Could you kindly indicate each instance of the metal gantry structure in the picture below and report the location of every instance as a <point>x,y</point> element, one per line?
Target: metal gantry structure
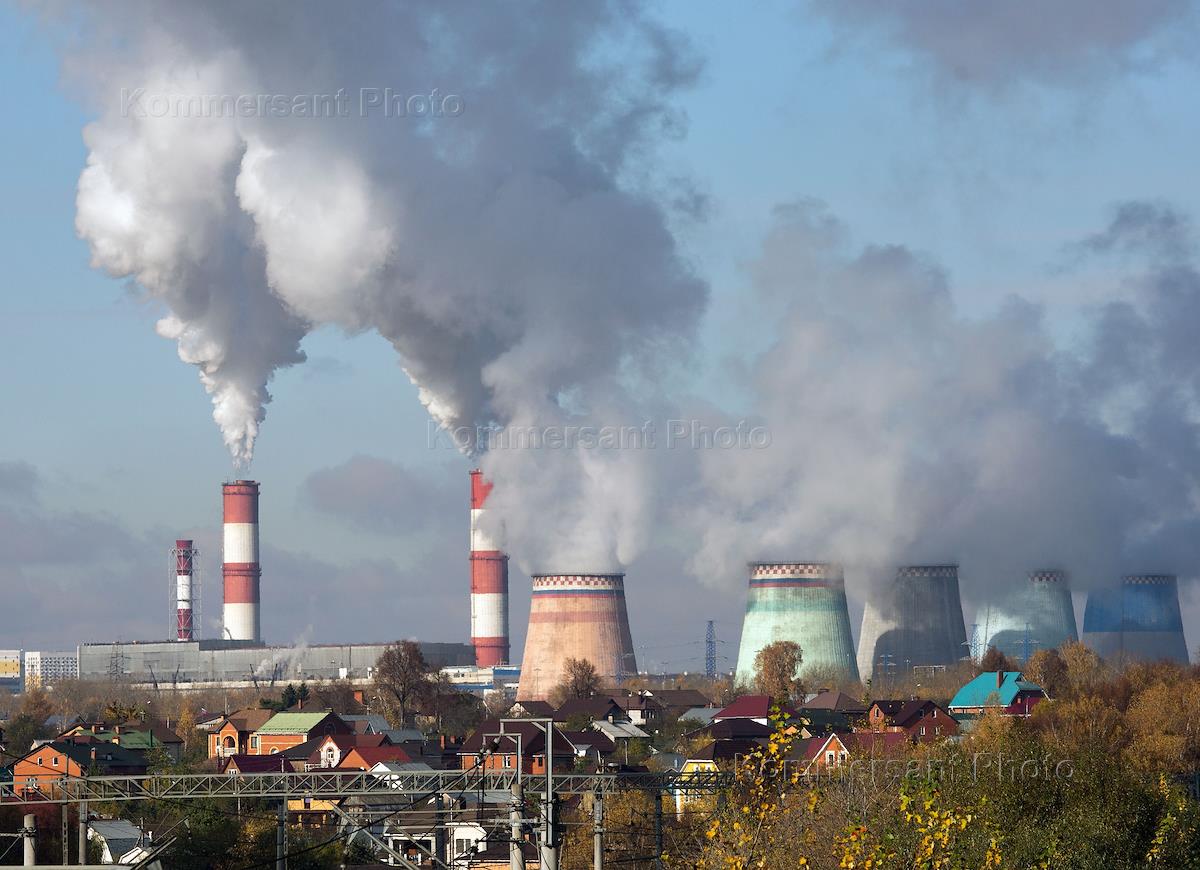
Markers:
<point>409,787</point>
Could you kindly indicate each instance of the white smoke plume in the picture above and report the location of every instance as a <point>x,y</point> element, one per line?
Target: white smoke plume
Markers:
<point>473,198</point>
<point>904,431</point>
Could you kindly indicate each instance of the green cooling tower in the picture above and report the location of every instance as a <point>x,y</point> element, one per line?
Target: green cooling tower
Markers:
<point>804,602</point>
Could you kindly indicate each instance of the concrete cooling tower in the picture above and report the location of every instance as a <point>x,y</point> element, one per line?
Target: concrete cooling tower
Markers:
<point>580,616</point>
<point>916,621</point>
<point>1036,615</point>
<point>804,602</point>
<point>1140,619</point>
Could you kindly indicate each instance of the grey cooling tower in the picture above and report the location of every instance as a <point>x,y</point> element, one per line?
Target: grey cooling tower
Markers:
<point>915,621</point>
<point>1036,615</point>
<point>1138,620</point>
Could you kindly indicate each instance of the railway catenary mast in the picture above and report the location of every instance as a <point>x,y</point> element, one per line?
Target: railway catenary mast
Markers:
<point>241,571</point>
<point>489,584</point>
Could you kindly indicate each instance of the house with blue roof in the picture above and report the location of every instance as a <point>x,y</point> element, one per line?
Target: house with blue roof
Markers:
<point>1006,692</point>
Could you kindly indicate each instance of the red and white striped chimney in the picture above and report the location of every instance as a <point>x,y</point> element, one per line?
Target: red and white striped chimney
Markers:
<point>489,584</point>
<point>241,570</point>
<point>185,562</point>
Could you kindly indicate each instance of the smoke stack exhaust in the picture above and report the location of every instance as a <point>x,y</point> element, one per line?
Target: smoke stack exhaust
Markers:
<point>489,584</point>
<point>183,557</point>
<point>241,571</point>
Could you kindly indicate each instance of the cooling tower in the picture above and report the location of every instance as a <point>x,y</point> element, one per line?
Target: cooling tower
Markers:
<point>916,621</point>
<point>489,584</point>
<point>579,616</point>
<point>183,560</point>
<point>804,602</point>
<point>241,571</point>
<point>1138,620</point>
<point>1036,615</point>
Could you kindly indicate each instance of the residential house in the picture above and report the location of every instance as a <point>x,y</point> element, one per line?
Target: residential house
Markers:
<point>42,767</point>
<point>818,755</point>
<point>922,720</point>
<point>701,715</point>
<point>671,703</point>
<point>594,709</point>
<point>1006,692</point>
<point>756,707</point>
<point>526,739</point>
<point>236,765</point>
<point>837,701</point>
<point>876,744</point>
<point>120,841</point>
<point>231,735</point>
<point>591,747</point>
<point>367,757</point>
<point>137,736</point>
<point>287,730</point>
<point>532,710</point>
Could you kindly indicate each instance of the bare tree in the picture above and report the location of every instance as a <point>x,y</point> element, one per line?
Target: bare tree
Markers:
<point>401,682</point>
<point>580,680</point>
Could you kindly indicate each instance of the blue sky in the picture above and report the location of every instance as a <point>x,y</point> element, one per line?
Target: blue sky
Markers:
<point>993,183</point>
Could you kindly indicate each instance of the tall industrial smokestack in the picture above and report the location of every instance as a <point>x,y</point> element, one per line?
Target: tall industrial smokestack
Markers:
<point>489,584</point>
<point>579,616</point>
<point>804,602</point>
<point>183,558</point>
<point>915,622</point>
<point>241,569</point>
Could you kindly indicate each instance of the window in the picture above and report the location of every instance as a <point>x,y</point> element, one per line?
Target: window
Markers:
<point>934,713</point>
<point>830,757</point>
<point>508,762</point>
<point>274,750</point>
<point>937,729</point>
<point>39,761</point>
<point>54,761</point>
<point>254,741</point>
<point>922,730</point>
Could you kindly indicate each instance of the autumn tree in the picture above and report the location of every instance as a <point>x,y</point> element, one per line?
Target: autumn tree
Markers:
<point>993,660</point>
<point>401,683</point>
<point>776,670</point>
<point>1047,668</point>
<point>580,680</point>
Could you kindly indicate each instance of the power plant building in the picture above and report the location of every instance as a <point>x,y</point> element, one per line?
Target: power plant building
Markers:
<point>489,584</point>
<point>802,602</point>
<point>1038,614</point>
<point>580,616</point>
<point>1140,619</point>
<point>915,622</point>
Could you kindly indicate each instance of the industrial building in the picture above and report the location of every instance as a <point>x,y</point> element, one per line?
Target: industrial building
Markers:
<point>581,616</point>
<point>48,668</point>
<point>915,622</point>
<point>10,669</point>
<point>804,602</point>
<point>1037,614</point>
<point>489,584</point>
<point>1139,619</point>
<point>192,664</point>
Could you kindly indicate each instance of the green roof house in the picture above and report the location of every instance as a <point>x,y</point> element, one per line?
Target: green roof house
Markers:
<point>1005,691</point>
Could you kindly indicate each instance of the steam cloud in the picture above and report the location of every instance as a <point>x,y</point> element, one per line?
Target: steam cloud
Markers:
<point>904,431</point>
<point>502,251</point>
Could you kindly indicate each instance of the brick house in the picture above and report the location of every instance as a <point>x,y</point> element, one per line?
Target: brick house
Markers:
<point>41,767</point>
<point>526,736</point>
<point>231,736</point>
<point>921,719</point>
<point>287,730</point>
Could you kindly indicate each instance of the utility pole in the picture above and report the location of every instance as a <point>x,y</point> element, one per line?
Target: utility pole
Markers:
<point>597,830</point>
<point>658,830</point>
<point>549,822</point>
<point>516,854</point>
<point>66,836</point>
<point>439,830</point>
<point>281,837</point>
<point>29,835</point>
<point>83,826</point>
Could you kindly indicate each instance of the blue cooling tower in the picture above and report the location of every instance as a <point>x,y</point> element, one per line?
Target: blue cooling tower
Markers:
<point>1138,620</point>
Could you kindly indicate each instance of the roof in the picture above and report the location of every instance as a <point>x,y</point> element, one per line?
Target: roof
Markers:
<point>831,700</point>
<point>725,750</point>
<point>404,735</point>
<point>596,707</point>
<point>992,689</point>
<point>538,709</point>
<point>618,730</point>
<point>365,723</point>
<point>752,707</point>
<point>700,714</point>
<point>108,755</point>
<point>685,698</point>
<point>729,729</point>
<point>247,719</point>
<point>590,739</point>
<point>811,747</point>
<point>294,723</point>
<point>118,834</point>
<point>820,721</point>
<point>259,763</point>
<point>533,739</point>
<point>888,706</point>
<point>875,743</point>
<point>372,755</point>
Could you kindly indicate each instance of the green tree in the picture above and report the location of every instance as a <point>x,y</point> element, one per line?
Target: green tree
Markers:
<point>776,670</point>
